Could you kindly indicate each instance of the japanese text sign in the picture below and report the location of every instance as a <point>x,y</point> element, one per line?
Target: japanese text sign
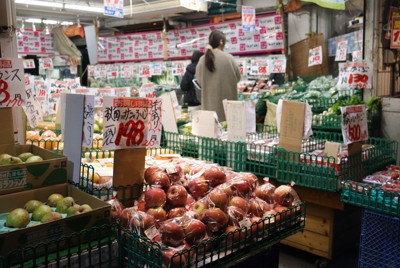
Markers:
<point>259,67</point>
<point>45,63</point>
<point>88,121</point>
<point>131,122</point>
<point>341,51</point>
<point>315,56</point>
<point>248,18</point>
<point>395,33</point>
<point>12,84</point>
<point>354,123</point>
<point>114,8</point>
<point>32,107</point>
<point>355,75</point>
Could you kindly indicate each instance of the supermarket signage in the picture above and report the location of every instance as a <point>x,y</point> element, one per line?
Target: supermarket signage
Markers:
<point>242,66</point>
<point>114,8</point>
<point>88,121</point>
<point>259,67</point>
<point>45,63</point>
<point>354,123</point>
<point>131,123</point>
<point>341,51</point>
<point>178,68</point>
<point>395,33</point>
<point>277,64</point>
<point>34,42</point>
<point>29,64</point>
<point>355,75</point>
<point>236,118</point>
<point>32,107</point>
<point>394,12</point>
<point>315,56</point>
<point>357,55</point>
<point>12,84</point>
<point>248,18</point>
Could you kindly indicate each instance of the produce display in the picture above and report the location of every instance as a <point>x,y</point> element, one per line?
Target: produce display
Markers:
<point>188,202</point>
<point>35,212</point>
<point>387,179</point>
<point>6,159</point>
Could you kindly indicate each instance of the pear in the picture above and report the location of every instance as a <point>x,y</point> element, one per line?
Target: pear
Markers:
<point>18,218</point>
<point>25,156</point>
<point>34,158</point>
<point>64,204</point>
<point>53,199</point>
<point>6,159</point>
<point>85,208</point>
<point>31,205</point>
<point>52,216</point>
<point>74,210</point>
<point>39,212</point>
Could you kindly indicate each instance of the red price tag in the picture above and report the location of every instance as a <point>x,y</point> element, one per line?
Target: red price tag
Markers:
<point>4,94</point>
<point>132,131</point>
<point>146,72</point>
<point>262,69</point>
<point>355,132</point>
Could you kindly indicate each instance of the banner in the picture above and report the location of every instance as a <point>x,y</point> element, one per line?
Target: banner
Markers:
<point>34,42</point>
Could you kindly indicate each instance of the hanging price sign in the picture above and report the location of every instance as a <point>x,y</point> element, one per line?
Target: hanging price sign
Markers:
<point>126,71</point>
<point>128,122</point>
<point>354,123</point>
<point>259,67</point>
<point>29,64</point>
<point>395,33</point>
<point>32,107</point>
<point>45,63</point>
<point>144,70</point>
<point>355,75</point>
<point>12,84</point>
<point>277,66</point>
<point>178,68</point>
<point>341,51</point>
<point>248,18</point>
<point>315,56</point>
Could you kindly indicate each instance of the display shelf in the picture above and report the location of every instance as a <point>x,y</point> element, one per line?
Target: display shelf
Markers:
<point>220,250</point>
<point>371,197</point>
<point>94,247</point>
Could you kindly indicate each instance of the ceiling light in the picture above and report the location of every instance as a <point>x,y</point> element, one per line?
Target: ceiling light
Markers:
<point>39,3</point>
<point>85,8</point>
<point>32,20</point>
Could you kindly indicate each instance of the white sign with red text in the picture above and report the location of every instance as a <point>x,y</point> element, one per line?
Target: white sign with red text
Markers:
<point>12,84</point>
<point>248,18</point>
<point>355,75</point>
<point>315,56</point>
<point>341,51</point>
<point>354,123</point>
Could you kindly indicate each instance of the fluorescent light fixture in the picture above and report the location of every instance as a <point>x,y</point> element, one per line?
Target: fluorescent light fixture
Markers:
<point>32,20</point>
<point>39,3</point>
<point>85,8</point>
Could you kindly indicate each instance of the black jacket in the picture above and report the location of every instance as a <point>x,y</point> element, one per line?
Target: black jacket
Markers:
<point>187,85</point>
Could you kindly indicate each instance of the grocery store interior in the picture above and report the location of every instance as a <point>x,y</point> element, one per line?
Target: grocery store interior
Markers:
<point>200,133</point>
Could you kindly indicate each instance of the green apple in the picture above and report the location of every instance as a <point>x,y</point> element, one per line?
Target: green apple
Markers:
<point>34,158</point>
<point>74,210</point>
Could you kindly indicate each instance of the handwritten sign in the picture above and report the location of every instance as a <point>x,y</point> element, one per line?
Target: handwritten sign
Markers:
<point>242,66</point>
<point>341,51</point>
<point>178,68</point>
<point>147,90</point>
<point>45,63</point>
<point>248,18</point>
<point>128,122</point>
<point>277,65</point>
<point>315,56</point>
<point>259,67</point>
<point>29,64</point>
<point>88,121</point>
<point>12,84</point>
<point>32,107</point>
<point>395,33</point>
<point>236,118</point>
<point>144,70</point>
<point>355,75</point>
<point>354,123</point>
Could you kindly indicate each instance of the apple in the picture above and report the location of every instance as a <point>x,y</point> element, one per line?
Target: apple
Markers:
<point>240,187</point>
<point>235,215</point>
<point>257,225</point>
<point>172,259</point>
<point>195,231</point>
<point>239,202</point>
<point>6,159</point>
<point>198,187</point>
<point>158,213</point>
<point>231,176</point>
<point>285,196</point>
<point>215,176</point>
<point>177,195</point>
<point>215,219</point>
<point>125,216</point>
<point>282,212</point>
<point>226,187</point>
<point>232,234</point>
<point>190,200</point>
<point>218,198</point>
<point>155,197</point>
<point>159,178</point>
<point>176,212</point>
<point>141,221</point>
<point>266,192</point>
<point>172,233</point>
<point>141,205</point>
<point>199,207</point>
<point>175,173</point>
<point>251,179</point>
<point>116,207</point>
<point>197,170</point>
<point>257,207</point>
<point>150,170</point>
<point>17,218</point>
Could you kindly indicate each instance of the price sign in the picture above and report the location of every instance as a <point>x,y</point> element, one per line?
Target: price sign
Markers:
<point>91,70</point>
<point>45,63</point>
<point>354,123</point>
<point>88,121</point>
<point>129,121</point>
<point>32,107</point>
<point>156,68</point>
<point>315,56</point>
<point>178,68</point>
<point>357,55</point>
<point>242,66</point>
<point>248,18</point>
<point>144,70</point>
<point>126,71</point>
<point>100,94</point>
<point>112,71</point>
<point>147,90</point>
<point>341,51</point>
<point>12,84</point>
<point>277,66</point>
<point>355,75</point>
<point>395,33</point>
<point>29,64</point>
<point>259,67</point>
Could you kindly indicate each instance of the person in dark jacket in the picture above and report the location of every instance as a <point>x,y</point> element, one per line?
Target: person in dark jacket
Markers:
<point>187,85</point>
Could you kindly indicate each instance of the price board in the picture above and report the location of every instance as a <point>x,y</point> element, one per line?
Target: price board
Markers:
<point>259,67</point>
<point>277,64</point>
<point>45,63</point>
<point>315,56</point>
<point>12,84</point>
<point>395,33</point>
<point>355,75</point>
<point>341,51</point>
<point>131,122</point>
<point>178,68</point>
<point>248,18</point>
<point>31,106</point>
<point>354,123</point>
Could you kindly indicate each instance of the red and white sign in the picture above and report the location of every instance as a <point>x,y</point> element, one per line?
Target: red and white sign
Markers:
<point>45,63</point>
<point>395,33</point>
<point>31,106</point>
<point>354,123</point>
<point>178,68</point>
<point>277,65</point>
<point>248,18</point>
<point>355,75</point>
<point>315,56</point>
<point>131,122</point>
<point>259,67</point>
<point>29,64</point>
<point>242,66</point>
<point>341,51</point>
<point>12,84</point>
<point>34,42</point>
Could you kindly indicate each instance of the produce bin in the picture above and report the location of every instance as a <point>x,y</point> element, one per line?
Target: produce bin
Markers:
<point>380,240</point>
<point>371,197</point>
<point>326,173</point>
<point>139,251</point>
<point>92,247</point>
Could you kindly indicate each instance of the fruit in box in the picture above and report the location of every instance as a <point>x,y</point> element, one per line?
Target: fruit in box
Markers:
<point>34,158</point>
<point>40,211</point>
<point>31,205</point>
<point>6,159</point>
<point>18,218</point>
<point>52,216</point>
<point>25,156</point>
<point>53,199</point>
<point>64,204</point>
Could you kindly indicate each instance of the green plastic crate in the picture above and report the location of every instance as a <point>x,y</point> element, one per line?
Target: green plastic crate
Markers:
<point>94,247</point>
<point>371,197</point>
<point>329,122</point>
<point>139,251</point>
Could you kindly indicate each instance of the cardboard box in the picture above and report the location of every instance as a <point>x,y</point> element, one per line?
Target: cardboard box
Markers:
<point>42,233</point>
<point>25,176</point>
